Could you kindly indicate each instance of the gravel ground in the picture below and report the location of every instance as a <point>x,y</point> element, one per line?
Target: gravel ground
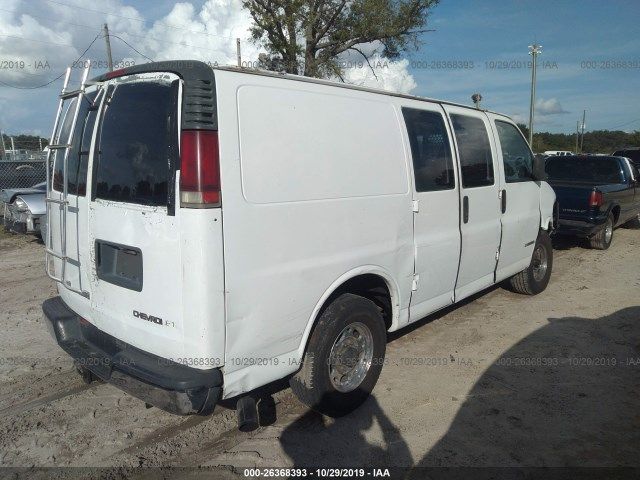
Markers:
<point>501,380</point>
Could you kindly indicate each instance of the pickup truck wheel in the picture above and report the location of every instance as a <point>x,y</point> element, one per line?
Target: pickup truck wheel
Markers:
<point>344,357</point>
<point>602,239</point>
<point>535,278</point>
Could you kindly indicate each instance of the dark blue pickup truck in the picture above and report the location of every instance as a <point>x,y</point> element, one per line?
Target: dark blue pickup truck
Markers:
<point>595,194</point>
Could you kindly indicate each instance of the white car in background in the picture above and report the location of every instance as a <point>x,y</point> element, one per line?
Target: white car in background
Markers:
<point>23,209</point>
<point>558,153</point>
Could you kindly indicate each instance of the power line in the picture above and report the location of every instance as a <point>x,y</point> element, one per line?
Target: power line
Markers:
<point>52,19</point>
<point>59,76</point>
<point>157,39</point>
<point>135,19</point>
<point>627,123</point>
<point>38,41</point>
<point>131,46</point>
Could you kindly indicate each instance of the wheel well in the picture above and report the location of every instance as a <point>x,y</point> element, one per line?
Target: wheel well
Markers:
<point>369,286</point>
<point>616,213</point>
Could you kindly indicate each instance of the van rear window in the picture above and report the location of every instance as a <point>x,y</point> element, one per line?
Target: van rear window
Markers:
<point>137,139</point>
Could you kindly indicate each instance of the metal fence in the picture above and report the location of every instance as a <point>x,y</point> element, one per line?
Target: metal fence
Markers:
<point>22,172</point>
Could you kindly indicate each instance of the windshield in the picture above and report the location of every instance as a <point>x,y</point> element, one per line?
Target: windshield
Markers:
<point>584,169</point>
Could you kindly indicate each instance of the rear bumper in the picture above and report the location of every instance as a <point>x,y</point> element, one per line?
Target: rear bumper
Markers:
<point>160,382</point>
<point>580,228</point>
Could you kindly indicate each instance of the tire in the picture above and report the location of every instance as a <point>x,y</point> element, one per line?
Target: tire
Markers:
<point>535,278</point>
<point>347,319</point>
<point>602,239</point>
<point>634,223</point>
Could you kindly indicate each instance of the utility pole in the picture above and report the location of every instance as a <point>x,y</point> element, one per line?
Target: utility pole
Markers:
<point>238,54</point>
<point>577,134</point>
<point>4,147</point>
<point>584,113</point>
<point>106,39</point>
<point>13,147</point>
<point>40,142</point>
<point>534,51</point>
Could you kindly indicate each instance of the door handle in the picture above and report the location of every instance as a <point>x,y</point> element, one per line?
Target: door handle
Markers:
<point>465,209</point>
<point>504,201</point>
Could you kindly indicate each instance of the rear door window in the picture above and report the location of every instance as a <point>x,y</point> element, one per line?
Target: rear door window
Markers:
<point>137,141</point>
<point>79,151</point>
<point>63,138</point>
<point>432,161</point>
<point>476,161</point>
<point>585,170</point>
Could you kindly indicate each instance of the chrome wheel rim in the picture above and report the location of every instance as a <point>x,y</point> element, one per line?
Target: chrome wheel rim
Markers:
<point>351,356</point>
<point>608,231</point>
<point>540,263</point>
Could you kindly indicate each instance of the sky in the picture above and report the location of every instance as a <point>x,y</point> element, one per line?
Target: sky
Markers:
<point>590,56</point>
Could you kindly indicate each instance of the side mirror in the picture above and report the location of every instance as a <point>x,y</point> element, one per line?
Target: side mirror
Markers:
<point>538,174</point>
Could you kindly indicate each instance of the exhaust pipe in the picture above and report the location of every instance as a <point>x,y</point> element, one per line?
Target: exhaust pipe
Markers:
<point>87,376</point>
<point>247,414</point>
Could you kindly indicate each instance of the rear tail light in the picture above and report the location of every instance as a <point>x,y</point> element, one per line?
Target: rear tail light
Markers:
<point>199,169</point>
<point>596,199</point>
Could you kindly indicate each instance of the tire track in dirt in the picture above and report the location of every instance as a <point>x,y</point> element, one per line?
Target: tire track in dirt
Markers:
<point>15,410</point>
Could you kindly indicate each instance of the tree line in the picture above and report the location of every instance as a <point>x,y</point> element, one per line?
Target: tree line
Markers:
<point>596,141</point>
<point>23,142</point>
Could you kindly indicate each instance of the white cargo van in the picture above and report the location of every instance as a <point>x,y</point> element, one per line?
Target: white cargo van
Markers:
<point>215,230</point>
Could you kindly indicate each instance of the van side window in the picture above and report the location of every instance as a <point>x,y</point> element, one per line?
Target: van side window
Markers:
<point>475,151</point>
<point>516,156</point>
<point>432,162</point>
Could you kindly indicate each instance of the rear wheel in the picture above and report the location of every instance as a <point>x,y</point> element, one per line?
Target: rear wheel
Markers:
<point>536,277</point>
<point>602,239</point>
<point>344,357</point>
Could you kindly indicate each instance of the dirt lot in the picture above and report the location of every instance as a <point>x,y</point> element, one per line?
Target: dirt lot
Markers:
<point>502,380</point>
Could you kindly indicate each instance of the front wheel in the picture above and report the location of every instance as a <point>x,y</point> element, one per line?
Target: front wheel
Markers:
<point>535,277</point>
<point>344,357</point>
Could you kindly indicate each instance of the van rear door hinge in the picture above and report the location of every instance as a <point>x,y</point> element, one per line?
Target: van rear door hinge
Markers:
<point>414,283</point>
<point>497,254</point>
<point>416,206</point>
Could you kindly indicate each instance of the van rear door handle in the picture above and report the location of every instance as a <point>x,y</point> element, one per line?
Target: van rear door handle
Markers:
<point>465,209</point>
<point>504,201</point>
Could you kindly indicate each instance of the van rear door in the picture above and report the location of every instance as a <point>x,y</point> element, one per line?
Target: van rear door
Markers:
<point>134,234</point>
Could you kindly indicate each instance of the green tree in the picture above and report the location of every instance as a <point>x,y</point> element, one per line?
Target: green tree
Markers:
<point>23,142</point>
<point>524,129</point>
<point>308,36</point>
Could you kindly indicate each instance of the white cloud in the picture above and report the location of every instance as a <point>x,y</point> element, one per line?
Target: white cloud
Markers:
<point>382,73</point>
<point>549,107</point>
<point>45,40</point>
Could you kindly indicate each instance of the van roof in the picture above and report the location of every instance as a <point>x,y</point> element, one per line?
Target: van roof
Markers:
<point>196,70</point>
<point>331,83</point>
